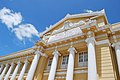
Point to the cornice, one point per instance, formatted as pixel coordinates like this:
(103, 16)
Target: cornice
(103, 42)
(18, 54)
(82, 40)
(75, 42)
(66, 38)
(116, 44)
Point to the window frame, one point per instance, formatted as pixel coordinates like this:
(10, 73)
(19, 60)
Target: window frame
(83, 63)
(48, 67)
(64, 66)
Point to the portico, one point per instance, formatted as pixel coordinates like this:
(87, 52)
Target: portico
(77, 47)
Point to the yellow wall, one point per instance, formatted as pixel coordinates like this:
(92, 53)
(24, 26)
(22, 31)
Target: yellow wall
(104, 63)
(40, 69)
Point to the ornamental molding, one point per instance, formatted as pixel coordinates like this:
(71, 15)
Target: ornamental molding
(63, 45)
(67, 26)
(115, 29)
(13, 59)
(65, 38)
(64, 72)
(72, 49)
(103, 42)
(21, 54)
(116, 44)
(75, 42)
(115, 37)
(56, 53)
(99, 36)
(90, 40)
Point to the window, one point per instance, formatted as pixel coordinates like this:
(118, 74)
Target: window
(101, 24)
(49, 63)
(83, 59)
(64, 62)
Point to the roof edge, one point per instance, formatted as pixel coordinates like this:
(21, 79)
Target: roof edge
(68, 16)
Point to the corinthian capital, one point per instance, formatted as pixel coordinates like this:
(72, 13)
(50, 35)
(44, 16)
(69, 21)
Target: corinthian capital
(90, 34)
(90, 40)
(72, 49)
(56, 53)
(37, 52)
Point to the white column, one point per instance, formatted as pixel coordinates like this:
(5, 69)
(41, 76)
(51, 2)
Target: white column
(23, 70)
(70, 68)
(92, 69)
(15, 71)
(117, 50)
(53, 65)
(33, 65)
(4, 71)
(9, 71)
(1, 68)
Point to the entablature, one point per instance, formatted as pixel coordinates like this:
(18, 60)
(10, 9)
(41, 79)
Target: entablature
(17, 55)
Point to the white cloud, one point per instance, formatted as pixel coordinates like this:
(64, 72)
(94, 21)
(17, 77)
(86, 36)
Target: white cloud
(10, 18)
(88, 11)
(25, 31)
(14, 22)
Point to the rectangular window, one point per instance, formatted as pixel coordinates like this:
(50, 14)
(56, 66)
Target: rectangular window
(49, 63)
(64, 62)
(83, 59)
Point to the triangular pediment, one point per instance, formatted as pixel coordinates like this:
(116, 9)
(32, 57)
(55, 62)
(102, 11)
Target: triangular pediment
(69, 26)
(73, 18)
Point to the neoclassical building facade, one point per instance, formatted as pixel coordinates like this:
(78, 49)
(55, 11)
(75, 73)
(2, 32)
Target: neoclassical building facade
(78, 47)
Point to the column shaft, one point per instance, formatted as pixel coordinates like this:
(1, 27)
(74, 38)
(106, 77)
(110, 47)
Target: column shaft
(92, 69)
(117, 49)
(53, 66)
(15, 71)
(33, 66)
(4, 71)
(70, 68)
(9, 71)
(1, 68)
(23, 70)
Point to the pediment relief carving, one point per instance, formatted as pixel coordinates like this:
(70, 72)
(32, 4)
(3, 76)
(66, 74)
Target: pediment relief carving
(68, 25)
(67, 30)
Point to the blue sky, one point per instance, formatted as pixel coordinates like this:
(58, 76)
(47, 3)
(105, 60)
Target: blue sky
(28, 15)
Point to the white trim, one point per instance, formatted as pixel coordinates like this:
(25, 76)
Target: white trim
(99, 36)
(116, 23)
(48, 67)
(60, 77)
(17, 54)
(103, 42)
(75, 72)
(75, 42)
(65, 65)
(79, 63)
(116, 44)
(66, 38)
(116, 29)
